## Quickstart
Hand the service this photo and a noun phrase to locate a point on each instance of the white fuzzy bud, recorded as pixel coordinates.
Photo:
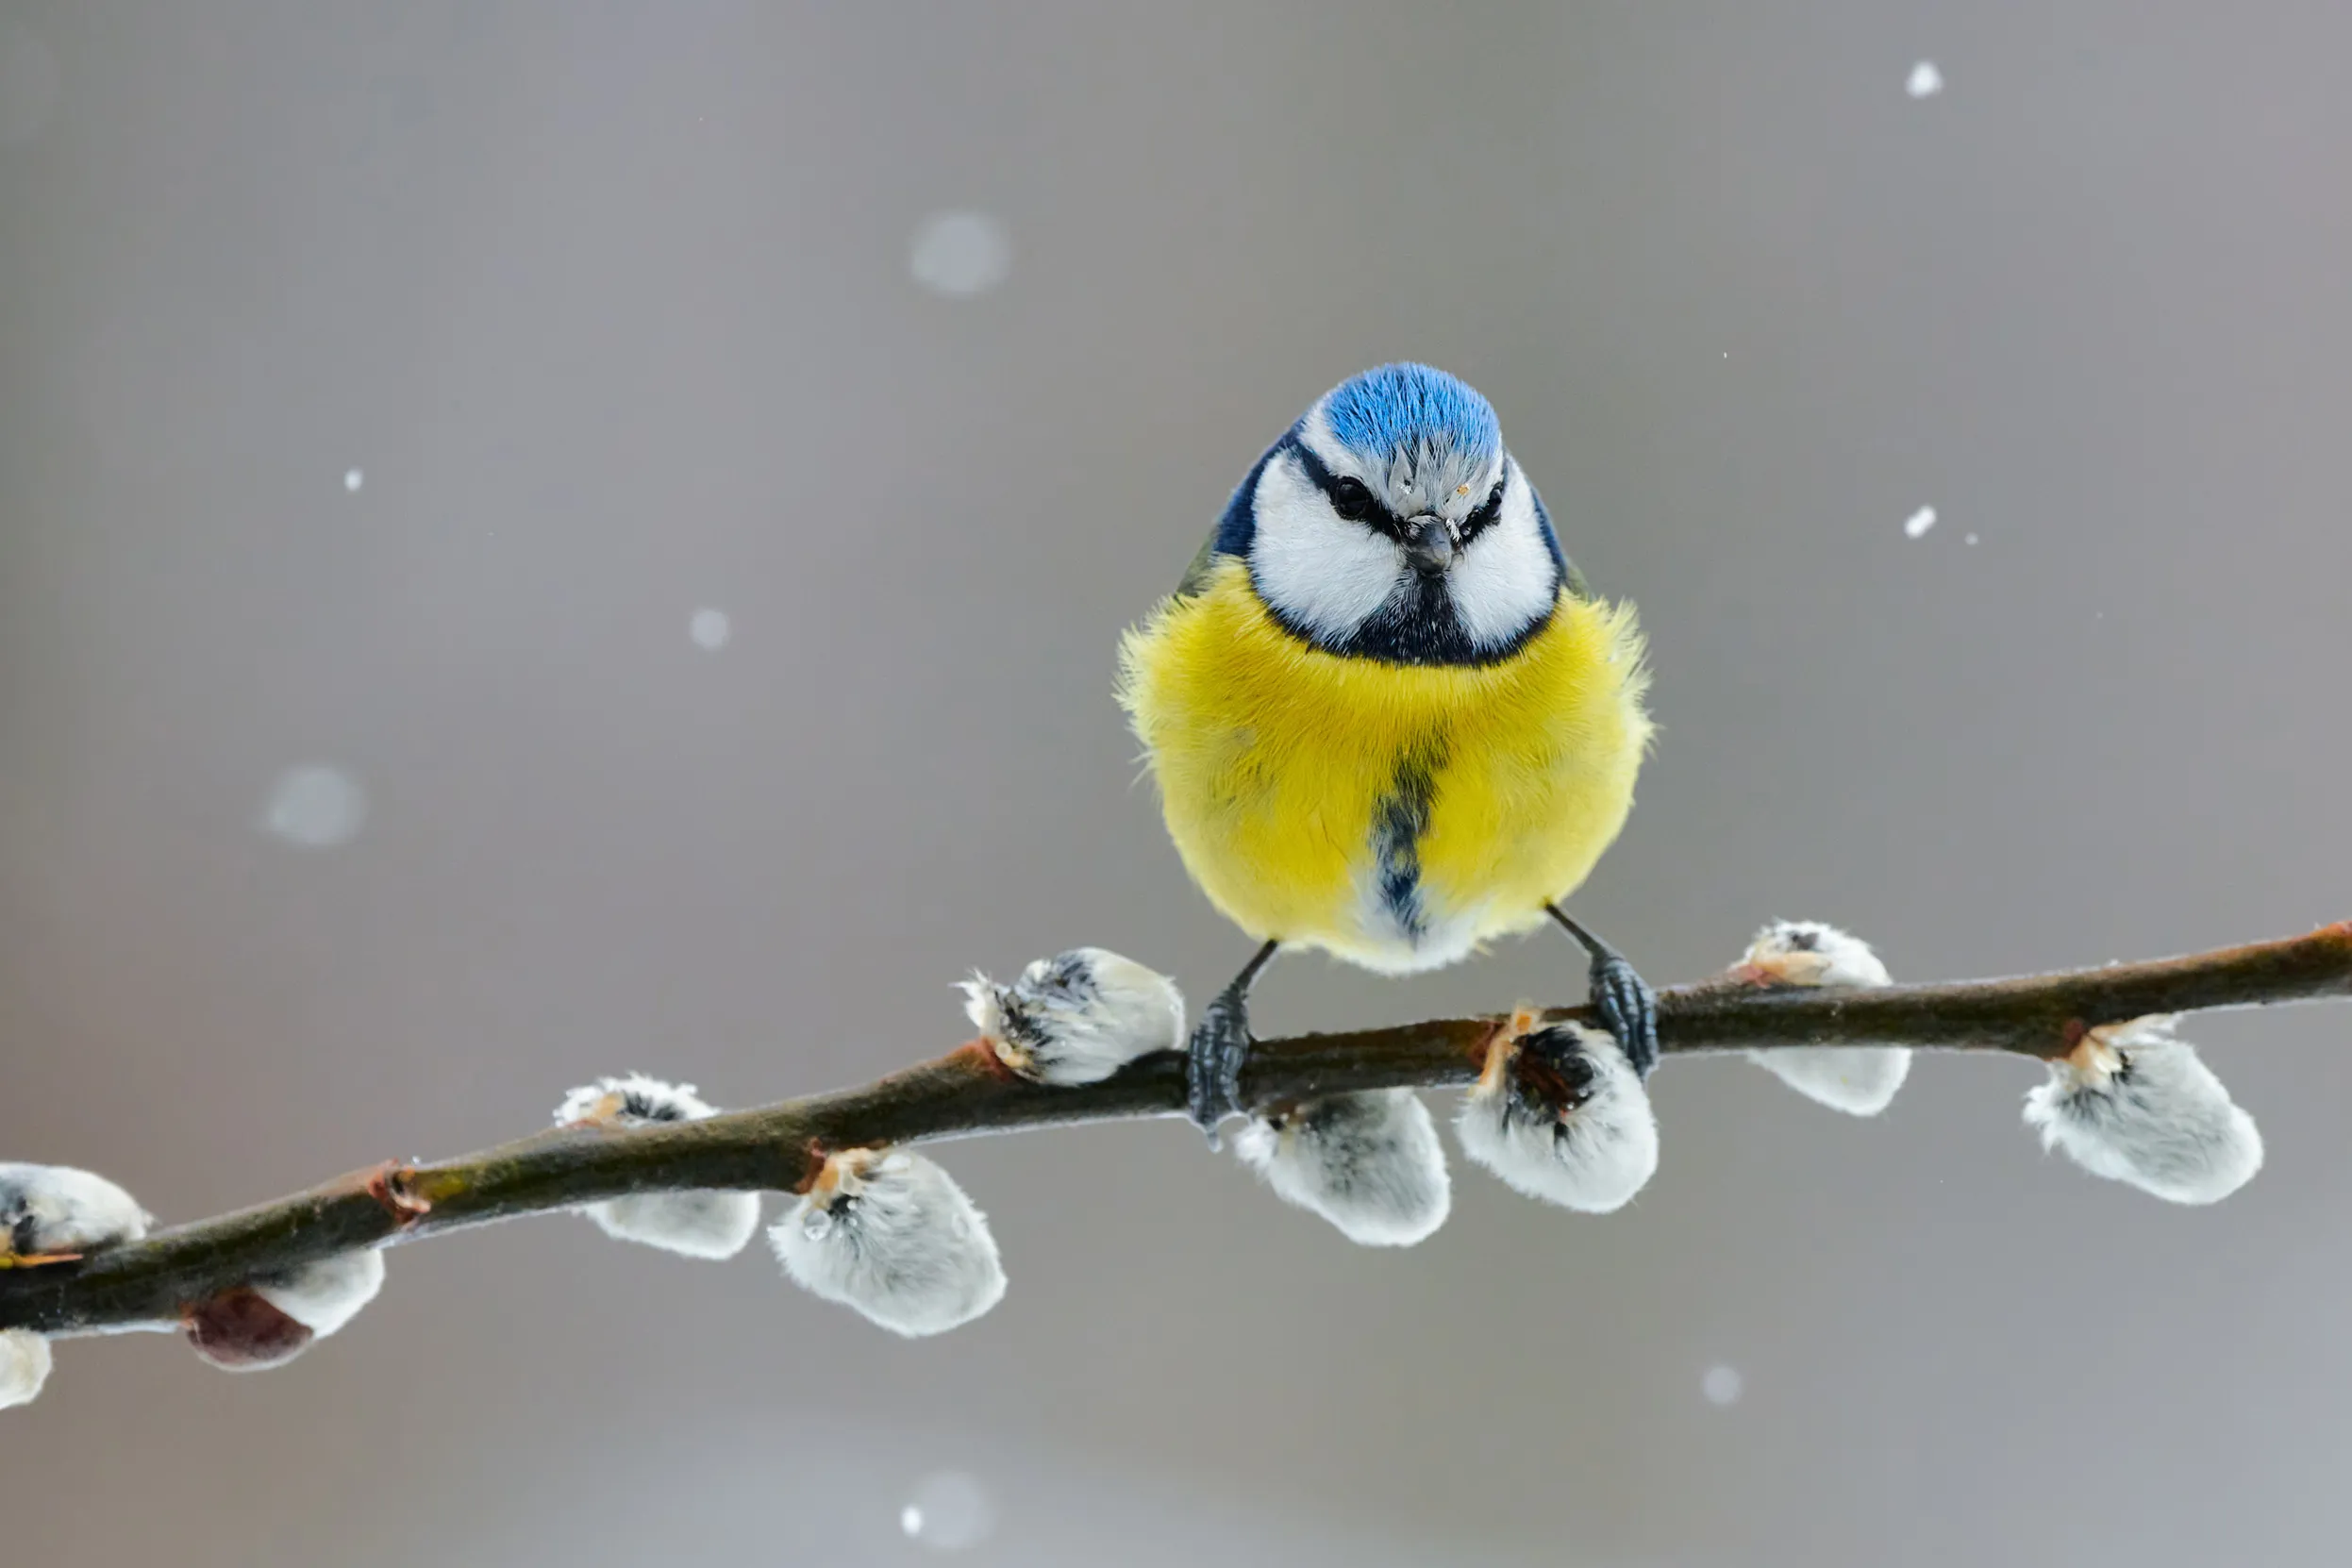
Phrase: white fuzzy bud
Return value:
(889, 1234)
(1560, 1114)
(24, 1366)
(56, 1210)
(279, 1316)
(1370, 1163)
(324, 1296)
(1860, 1080)
(711, 1225)
(1076, 1017)
(632, 1100)
(2134, 1105)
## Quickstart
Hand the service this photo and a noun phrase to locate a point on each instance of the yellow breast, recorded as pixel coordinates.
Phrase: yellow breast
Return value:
(1395, 815)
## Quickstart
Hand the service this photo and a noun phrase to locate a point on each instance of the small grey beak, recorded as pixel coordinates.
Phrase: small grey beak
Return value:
(1428, 544)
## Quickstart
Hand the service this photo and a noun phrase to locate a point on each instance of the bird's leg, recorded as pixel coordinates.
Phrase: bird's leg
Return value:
(1627, 1005)
(1219, 1047)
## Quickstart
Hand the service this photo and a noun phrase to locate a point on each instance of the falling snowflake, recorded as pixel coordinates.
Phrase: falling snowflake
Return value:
(1919, 521)
(353, 479)
(950, 1511)
(1925, 81)
(1721, 1385)
(961, 254)
(709, 628)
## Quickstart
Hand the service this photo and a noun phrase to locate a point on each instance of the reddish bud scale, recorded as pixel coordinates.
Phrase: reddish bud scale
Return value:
(239, 1331)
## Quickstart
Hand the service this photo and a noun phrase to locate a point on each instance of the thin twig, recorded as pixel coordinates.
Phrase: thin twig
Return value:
(149, 1284)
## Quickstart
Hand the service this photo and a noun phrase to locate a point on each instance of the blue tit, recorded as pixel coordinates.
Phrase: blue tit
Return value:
(1387, 717)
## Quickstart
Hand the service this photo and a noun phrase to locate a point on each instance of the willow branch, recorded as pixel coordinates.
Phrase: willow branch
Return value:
(778, 1148)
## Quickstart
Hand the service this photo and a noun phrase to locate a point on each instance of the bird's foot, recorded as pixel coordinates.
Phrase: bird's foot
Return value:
(1213, 1060)
(1626, 1007)
(1623, 1002)
(12, 1259)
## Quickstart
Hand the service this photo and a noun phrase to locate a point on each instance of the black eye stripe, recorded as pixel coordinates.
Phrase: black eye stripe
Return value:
(1488, 511)
(1324, 480)
(1379, 517)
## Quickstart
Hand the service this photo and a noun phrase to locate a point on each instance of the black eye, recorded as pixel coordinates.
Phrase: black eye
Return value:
(1351, 500)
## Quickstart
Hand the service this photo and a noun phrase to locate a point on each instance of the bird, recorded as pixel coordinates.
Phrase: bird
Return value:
(1387, 717)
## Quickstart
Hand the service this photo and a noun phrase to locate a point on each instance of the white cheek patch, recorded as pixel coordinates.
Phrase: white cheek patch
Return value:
(1320, 571)
(1504, 580)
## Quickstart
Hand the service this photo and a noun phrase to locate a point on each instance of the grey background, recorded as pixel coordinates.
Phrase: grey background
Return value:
(612, 305)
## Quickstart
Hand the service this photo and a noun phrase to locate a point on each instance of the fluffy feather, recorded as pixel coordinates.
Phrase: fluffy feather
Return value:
(1560, 1114)
(57, 1208)
(1278, 765)
(25, 1361)
(2134, 1105)
(1076, 1017)
(1370, 1163)
(1411, 410)
(1861, 1080)
(710, 1225)
(888, 1234)
(1327, 575)
(1505, 577)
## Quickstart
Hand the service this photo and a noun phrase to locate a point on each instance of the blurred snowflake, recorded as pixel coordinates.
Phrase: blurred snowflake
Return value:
(315, 806)
(949, 1511)
(961, 254)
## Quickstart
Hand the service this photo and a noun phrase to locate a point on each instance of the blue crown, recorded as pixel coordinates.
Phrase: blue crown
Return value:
(1392, 407)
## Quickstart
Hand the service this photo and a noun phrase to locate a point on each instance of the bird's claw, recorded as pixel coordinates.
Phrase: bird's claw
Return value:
(1627, 1009)
(1212, 1063)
